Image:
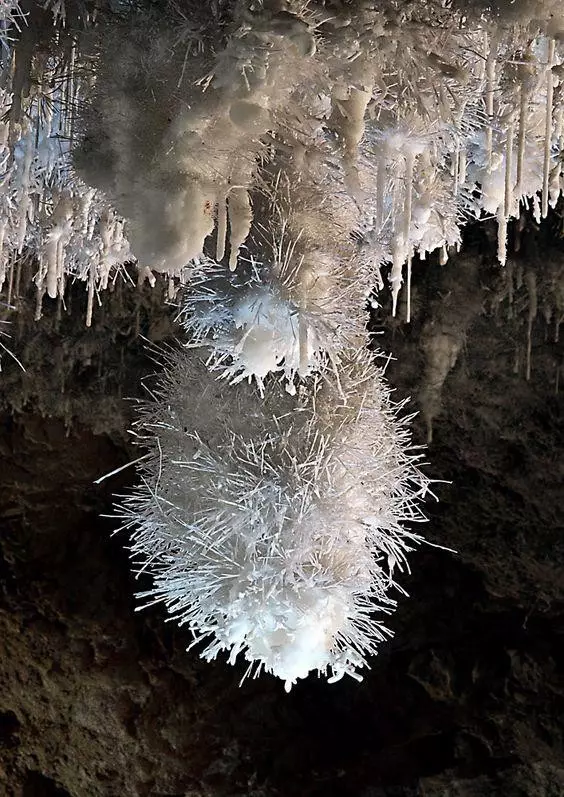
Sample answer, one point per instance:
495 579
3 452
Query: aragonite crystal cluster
277 162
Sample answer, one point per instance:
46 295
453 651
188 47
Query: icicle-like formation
416 119
45 209
275 530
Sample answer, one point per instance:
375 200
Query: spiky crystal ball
273 527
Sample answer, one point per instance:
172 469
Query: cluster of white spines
11 17
274 528
267 318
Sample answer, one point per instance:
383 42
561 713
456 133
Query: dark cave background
97 700
467 700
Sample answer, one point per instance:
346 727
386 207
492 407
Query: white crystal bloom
256 322
275 530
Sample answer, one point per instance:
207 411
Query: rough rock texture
467 700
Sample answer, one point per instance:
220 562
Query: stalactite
548 127
240 219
